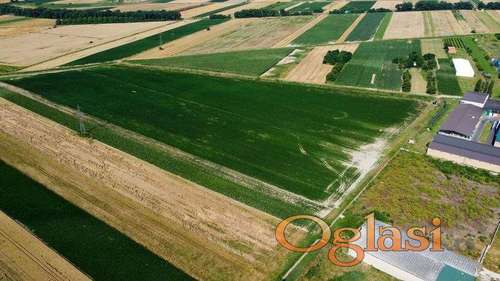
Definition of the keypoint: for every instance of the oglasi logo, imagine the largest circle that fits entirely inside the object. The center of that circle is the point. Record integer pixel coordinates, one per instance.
(415, 235)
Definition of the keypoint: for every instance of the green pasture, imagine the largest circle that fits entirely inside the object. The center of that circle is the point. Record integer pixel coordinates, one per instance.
(447, 82)
(253, 62)
(327, 30)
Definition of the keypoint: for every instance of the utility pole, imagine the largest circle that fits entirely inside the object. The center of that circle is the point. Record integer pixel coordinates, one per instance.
(79, 115)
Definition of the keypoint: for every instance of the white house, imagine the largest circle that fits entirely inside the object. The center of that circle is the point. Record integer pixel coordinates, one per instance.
(463, 68)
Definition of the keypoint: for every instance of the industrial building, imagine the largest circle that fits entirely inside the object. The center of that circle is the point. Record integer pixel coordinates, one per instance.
(463, 68)
(458, 137)
(425, 265)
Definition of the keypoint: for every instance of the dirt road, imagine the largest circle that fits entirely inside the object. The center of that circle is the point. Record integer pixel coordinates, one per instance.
(25, 257)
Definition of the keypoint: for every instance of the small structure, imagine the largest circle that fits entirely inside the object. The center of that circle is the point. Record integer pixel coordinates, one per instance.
(463, 68)
(417, 266)
(465, 152)
(452, 50)
(462, 122)
(476, 99)
(492, 106)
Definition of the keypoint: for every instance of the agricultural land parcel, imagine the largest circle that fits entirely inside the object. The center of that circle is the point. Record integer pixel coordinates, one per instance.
(71, 232)
(47, 43)
(358, 6)
(253, 34)
(383, 26)
(252, 62)
(367, 70)
(174, 218)
(297, 154)
(405, 25)
(327, 30)
(367, 27)
(150, 42)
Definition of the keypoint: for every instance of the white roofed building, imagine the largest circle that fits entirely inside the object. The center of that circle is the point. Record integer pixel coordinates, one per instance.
(463, 68)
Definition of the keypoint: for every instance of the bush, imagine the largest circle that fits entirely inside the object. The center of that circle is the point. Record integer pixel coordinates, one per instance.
(219, 16)
(431, 83)
(406, 86)
(336, 56)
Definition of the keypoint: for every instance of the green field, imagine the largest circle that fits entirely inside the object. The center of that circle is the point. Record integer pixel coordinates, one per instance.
(292, 136)
(279, 5)
(383, 26)
(253, 62)
(147, 43)
(94, 247)
(328, 30)
(480, 56)
(375, 58)
(367, 27)
(310, 6)
(357, 6)
(446, 79)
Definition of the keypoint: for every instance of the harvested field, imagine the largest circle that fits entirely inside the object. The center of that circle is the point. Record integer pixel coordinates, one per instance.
(328, 30)
(25, 257)
(252, 63)
(387, 4)
(311, 69)
(405, 25)
(12, 28)
(434, 46)
(191, 13)
(251, 5)
(68, 58)
(474, 21)
(256, 33)
(169, 6)
(174, 218)
(492, 22)
(181, 45)
(188, 122)
(32, 48)
(150, 42)
(445, 24)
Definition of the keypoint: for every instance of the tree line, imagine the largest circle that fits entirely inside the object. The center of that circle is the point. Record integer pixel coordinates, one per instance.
(69, 16)
(261, 13)
(431, 5)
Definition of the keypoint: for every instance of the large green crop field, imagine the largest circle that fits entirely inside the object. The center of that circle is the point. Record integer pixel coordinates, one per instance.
(252, 62)
(328, 30)
(94, 247)
(358, 6)
(147, 43)
(366, 27)
(295, 137)
(383, 26)
(373, 61)
(310, 6)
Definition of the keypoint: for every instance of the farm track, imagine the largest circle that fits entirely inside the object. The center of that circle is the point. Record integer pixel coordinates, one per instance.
(174, 218)
(67, 58)
(25, 257)
(219, 170)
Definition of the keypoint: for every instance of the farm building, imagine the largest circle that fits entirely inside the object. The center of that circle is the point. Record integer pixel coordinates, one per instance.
(476, 99)
(465, 152)
(462, 122)
(463, 68)
(417, 266)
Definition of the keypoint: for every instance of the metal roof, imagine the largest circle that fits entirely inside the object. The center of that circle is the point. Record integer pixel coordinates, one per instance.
(425, 265)
(475, 97)
(469, 149)
(492, 105)
(462, 120)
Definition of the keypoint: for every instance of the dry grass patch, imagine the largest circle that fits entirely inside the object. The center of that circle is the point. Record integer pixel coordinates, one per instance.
(445, 24)
(474, 22)
(170, 6)
(405, 25)
(433, 46)
(311, 69)
(205, 234)
(191, 13)
(33, 48)
(418, 82)
(25, 257)
(17, 28)
(258, 33)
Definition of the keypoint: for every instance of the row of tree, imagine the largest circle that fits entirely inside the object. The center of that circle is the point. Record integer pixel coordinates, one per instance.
(338, 59)
(359, 11)
(71, 16)
(431, 5)
(261, 13)
(489, 6)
